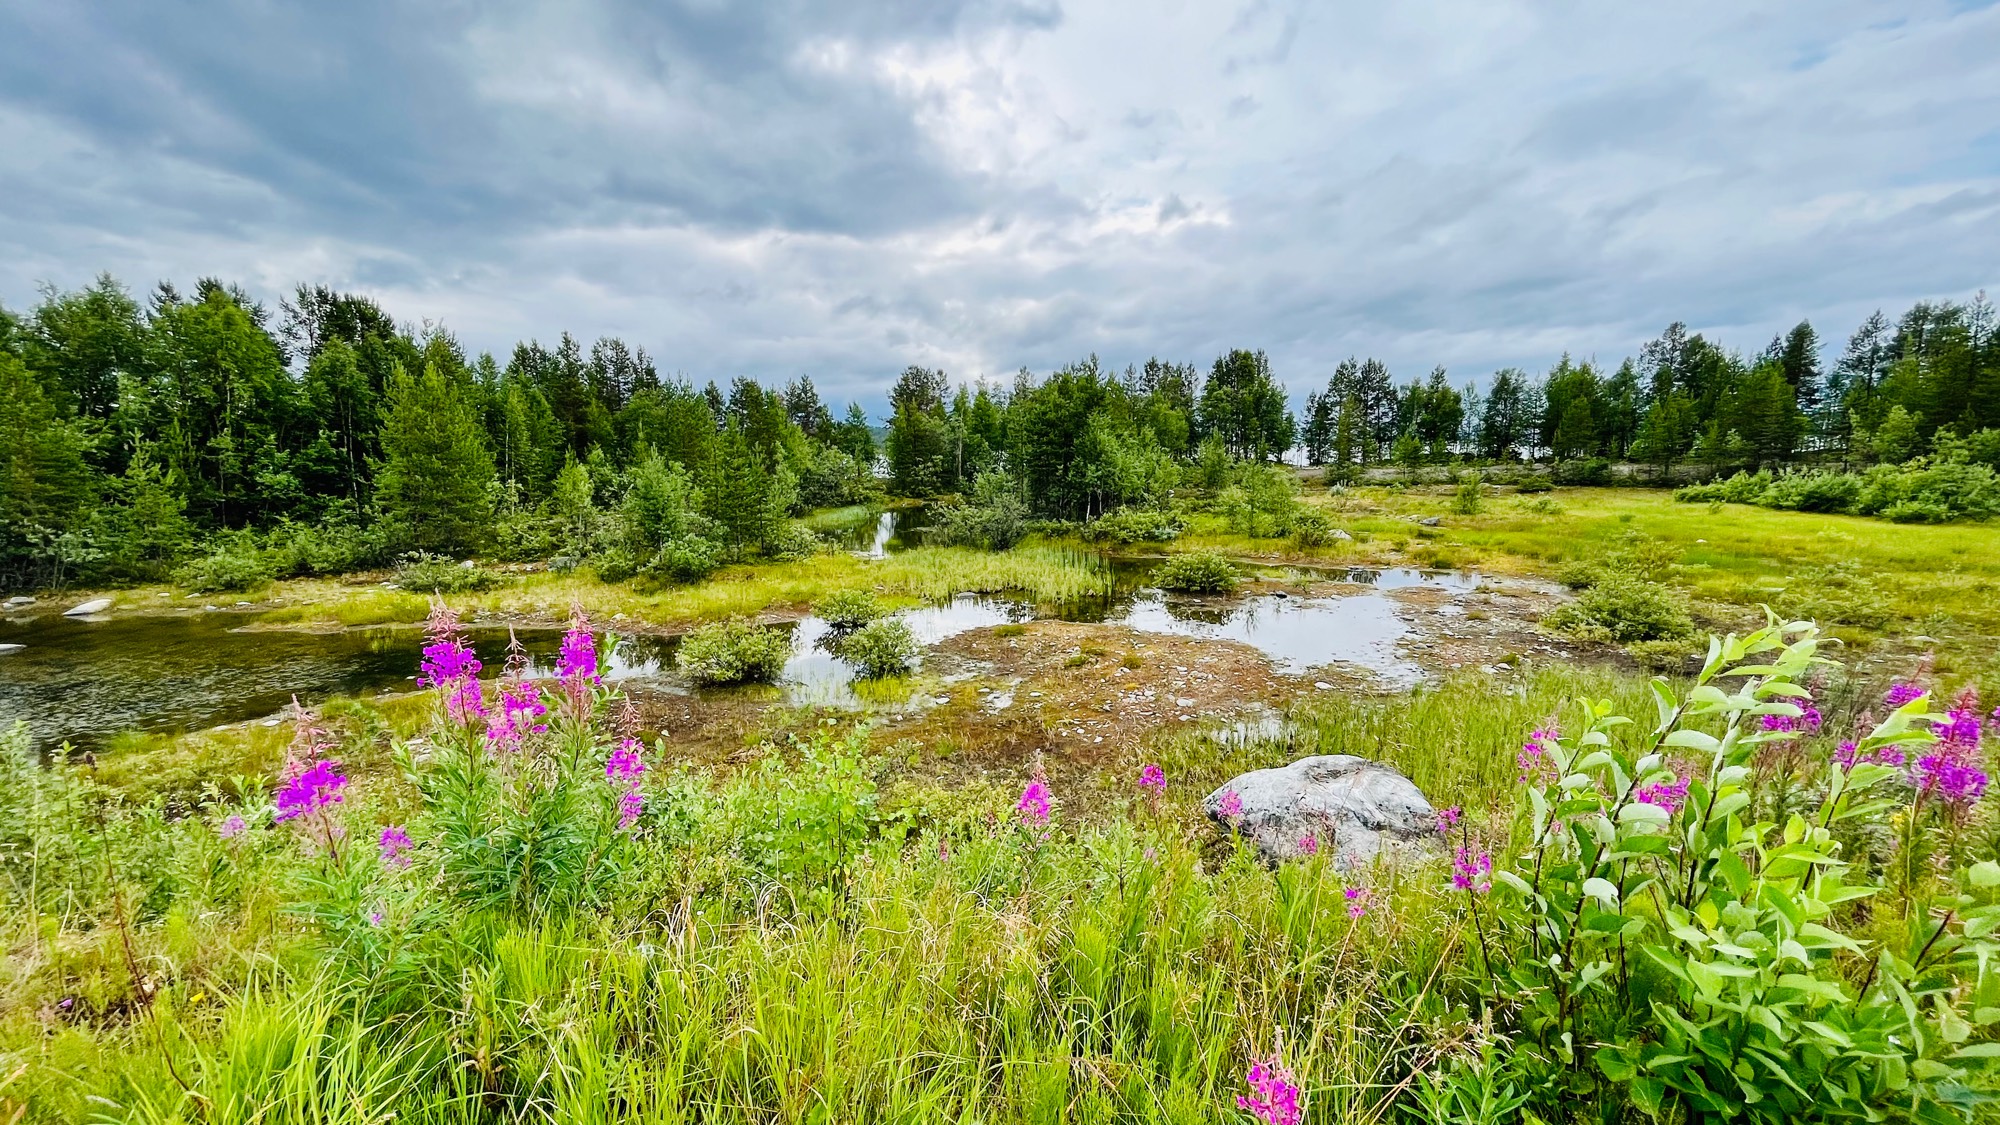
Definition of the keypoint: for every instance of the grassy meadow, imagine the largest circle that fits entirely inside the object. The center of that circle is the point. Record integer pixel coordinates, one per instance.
(825, 929)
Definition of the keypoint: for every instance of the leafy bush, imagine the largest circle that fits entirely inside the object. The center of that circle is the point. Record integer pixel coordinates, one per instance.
(235, 563)
(1583, 471)
(885, 647)
(1135, 524)
(794, 541)
(689, 558)
(848, 609)
(1312, 527)
(335, 545)
(1466, 499)
(1696, 950)
(1262, 503)
(1534, 482)
(425, 573)
(1940, 491)
(1202, 572)
(803, 821)
(735, 651)
(1623, 609)
(994, 520)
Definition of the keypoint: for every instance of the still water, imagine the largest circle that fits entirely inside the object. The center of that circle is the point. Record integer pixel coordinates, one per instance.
(86, 680)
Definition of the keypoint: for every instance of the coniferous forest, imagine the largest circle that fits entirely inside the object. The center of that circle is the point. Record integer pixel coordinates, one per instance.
(144, 436)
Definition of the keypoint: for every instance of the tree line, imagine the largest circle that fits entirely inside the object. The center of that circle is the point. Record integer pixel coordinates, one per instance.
(131, 430)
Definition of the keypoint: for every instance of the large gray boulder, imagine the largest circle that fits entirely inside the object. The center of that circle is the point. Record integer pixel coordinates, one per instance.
(1356, 809)
(86, 609)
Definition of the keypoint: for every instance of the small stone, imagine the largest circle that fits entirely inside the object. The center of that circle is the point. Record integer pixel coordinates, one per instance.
(1183, 702)
(7, 648)
(85, 609)
(1322, 685)
(1431, 521)
(19, 600)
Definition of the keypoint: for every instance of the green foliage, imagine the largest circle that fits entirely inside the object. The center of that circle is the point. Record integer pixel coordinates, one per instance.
(1834, 593)
(849, 609)
(734, 651)
(434, 484)
(808, 813)
(793, 541)
(1937, 491)
(1466, 499)
(235, 562)
(883, 647)
(1135, 524)
(44, 484)
(1621, 608)
(1694, 954)
(1202, 572)
(1313, 527)
(436, 574)
(1262, 503)
(994, 520)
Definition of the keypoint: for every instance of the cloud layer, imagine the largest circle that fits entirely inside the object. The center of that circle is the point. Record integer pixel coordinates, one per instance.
(787, 187)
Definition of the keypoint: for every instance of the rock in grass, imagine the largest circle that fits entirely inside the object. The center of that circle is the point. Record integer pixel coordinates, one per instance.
(85, 609)
(7, 648)
(1354, 808)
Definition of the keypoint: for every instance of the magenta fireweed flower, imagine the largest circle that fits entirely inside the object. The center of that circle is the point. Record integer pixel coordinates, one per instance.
(1274, 1093)
(394, 846)
(515, 717)
(1472, 873)
(630, 804)
(1357, 900)
(624, 764)
(233, 827)
(1961, 728)
(1153, 777)
(1950, 775)
(1533, 759)
(1667, 795)
(1230, 805)
(1902, 693)
(375, 917)
(1806, 722)
(578, 658)
(466, 701)
(1447, 819)
(311, 789)
(1033, 806)
(1309, 844)
(447, 661)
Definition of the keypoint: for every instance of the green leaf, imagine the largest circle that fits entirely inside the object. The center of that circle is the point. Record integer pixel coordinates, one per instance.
(1602, 890)
(1977, 1051)
(1692, 740)
(1985, 873)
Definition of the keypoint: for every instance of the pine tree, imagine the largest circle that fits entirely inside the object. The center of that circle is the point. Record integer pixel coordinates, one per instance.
(44, 485)
(738, 492)
(433, 487)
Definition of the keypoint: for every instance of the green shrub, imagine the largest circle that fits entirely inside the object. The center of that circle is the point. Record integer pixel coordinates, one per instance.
(736, 651)
(1466, 500)
(1594, 471)
(425, 573)
(1623, 609)
(1837, 593)
(1534, 482)
(994, 520)
(1202, 572)
(689, 558)
(794, 541)
(1135, 524)
(1312, 527)
(234, 564)
(848, 609)
(885, 647)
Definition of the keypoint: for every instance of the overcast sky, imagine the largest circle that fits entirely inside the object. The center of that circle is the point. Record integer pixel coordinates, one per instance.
(777, 187)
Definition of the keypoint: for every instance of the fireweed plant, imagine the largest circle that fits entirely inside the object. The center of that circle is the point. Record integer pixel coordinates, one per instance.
(548, 921)
(1649, 940)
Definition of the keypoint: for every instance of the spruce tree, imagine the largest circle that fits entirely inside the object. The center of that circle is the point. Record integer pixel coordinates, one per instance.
(433, 484)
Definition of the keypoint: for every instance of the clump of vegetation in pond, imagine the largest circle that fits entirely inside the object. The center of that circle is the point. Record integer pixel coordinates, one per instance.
(994, 519)
(423, 572)
(1202, 572)
(849, 609)
(733, 651)
(883, 647)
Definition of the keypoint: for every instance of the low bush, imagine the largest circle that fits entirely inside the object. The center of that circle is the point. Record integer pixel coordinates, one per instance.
(995, 519)
(1622, 609)
(1922, 491)
(794, 541)
(1202, 572)
(689, 558)
(884, 647)
(235, 564)
(1534, 482)
(1135, 524)
(425, 573)
(735, 651)
(1595, 471)
(1312, 527)
(849, 609)
(1465, 500)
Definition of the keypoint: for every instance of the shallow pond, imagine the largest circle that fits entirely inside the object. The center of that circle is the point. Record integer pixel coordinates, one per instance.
(88, 679)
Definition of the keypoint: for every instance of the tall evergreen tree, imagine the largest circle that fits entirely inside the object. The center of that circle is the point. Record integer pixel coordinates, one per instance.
(1245, 406)
(433, 486)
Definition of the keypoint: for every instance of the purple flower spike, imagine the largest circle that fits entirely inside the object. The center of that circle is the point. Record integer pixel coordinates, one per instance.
(313, 788)
(1274, 1093)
